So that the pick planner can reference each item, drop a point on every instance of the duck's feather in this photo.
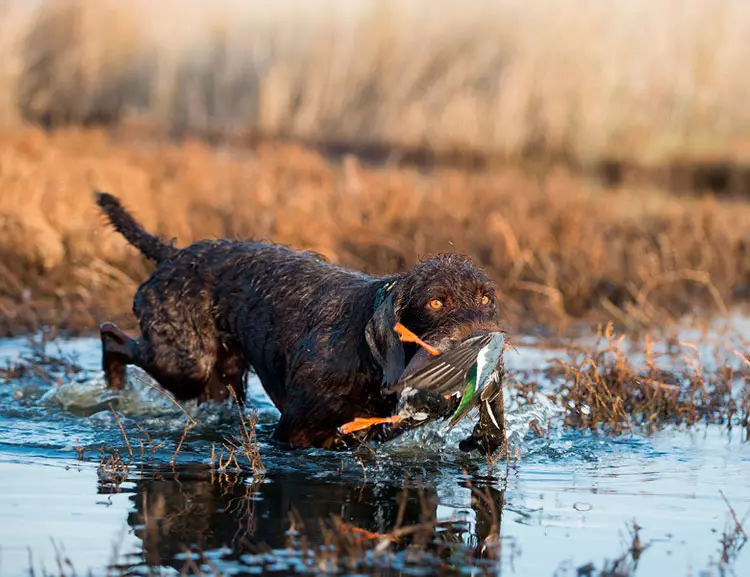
(445, 374)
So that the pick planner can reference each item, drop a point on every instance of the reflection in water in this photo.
(194, 509)
(568, 501)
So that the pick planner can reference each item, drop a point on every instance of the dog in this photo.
(318, 336)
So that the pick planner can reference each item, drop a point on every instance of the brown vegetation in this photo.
(483, 80)
(634, 80)
(601, 388)
(559, 249)
(39, 364)
(427, 543)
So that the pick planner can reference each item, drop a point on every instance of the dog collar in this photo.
(383, 293)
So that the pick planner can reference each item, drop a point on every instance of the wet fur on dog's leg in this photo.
(217, 388)
(117, 352)
(120, 350)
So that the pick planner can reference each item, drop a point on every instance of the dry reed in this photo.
(630, 79)
(247, 441)
(112, 471)
(601, 388)
(122, 430)
(733, 539)
(41, 364)
(559, 249)
(342, 548)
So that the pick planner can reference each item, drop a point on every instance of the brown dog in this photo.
(319, 337)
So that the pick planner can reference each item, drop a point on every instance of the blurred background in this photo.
(593, 156)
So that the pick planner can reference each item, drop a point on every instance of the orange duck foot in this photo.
(407, 336)
(366, 422)
(364, 534)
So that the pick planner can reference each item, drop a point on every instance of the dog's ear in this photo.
(384, 343)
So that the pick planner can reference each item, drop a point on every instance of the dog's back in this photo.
(268, 302)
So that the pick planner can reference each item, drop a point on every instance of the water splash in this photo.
(519, 420)
(81, 398)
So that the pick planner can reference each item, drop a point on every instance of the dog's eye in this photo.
(436, 304)
(485, 300)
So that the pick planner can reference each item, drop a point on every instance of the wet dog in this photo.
(319, 336)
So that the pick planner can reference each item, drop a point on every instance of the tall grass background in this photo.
(582, 80)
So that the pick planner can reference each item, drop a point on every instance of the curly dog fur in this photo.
(318, 336)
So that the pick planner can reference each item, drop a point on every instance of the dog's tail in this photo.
(124, 223)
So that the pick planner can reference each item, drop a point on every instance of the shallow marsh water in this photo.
(569, 500)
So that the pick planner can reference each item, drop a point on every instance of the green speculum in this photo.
(471, 385)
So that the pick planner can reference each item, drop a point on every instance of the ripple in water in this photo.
(569, 497)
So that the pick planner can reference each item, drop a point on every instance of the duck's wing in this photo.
(490, 362)
(484, 378)
(445, 374)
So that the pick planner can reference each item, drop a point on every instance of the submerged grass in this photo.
(560, 250)
(38, 364)
(733, 539)
(602, 388)
(429, 543)
(625, 565)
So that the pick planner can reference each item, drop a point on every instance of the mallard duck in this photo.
(439, 385)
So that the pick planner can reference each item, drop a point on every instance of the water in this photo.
(569, 500)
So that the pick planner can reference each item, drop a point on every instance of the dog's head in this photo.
(443, 300)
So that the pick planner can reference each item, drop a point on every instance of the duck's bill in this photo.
(406, 336)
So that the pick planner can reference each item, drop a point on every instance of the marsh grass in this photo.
(431, 542)
(604, 373)
(733, 539)
(345, 546)
(47, 363)
(246, 443)
(625, 565)
(601, 388)
(576, 80)
(112, 471)
(559, 249)
(604, 386)
(39, 364)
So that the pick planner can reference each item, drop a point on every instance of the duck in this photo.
(443, 385)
